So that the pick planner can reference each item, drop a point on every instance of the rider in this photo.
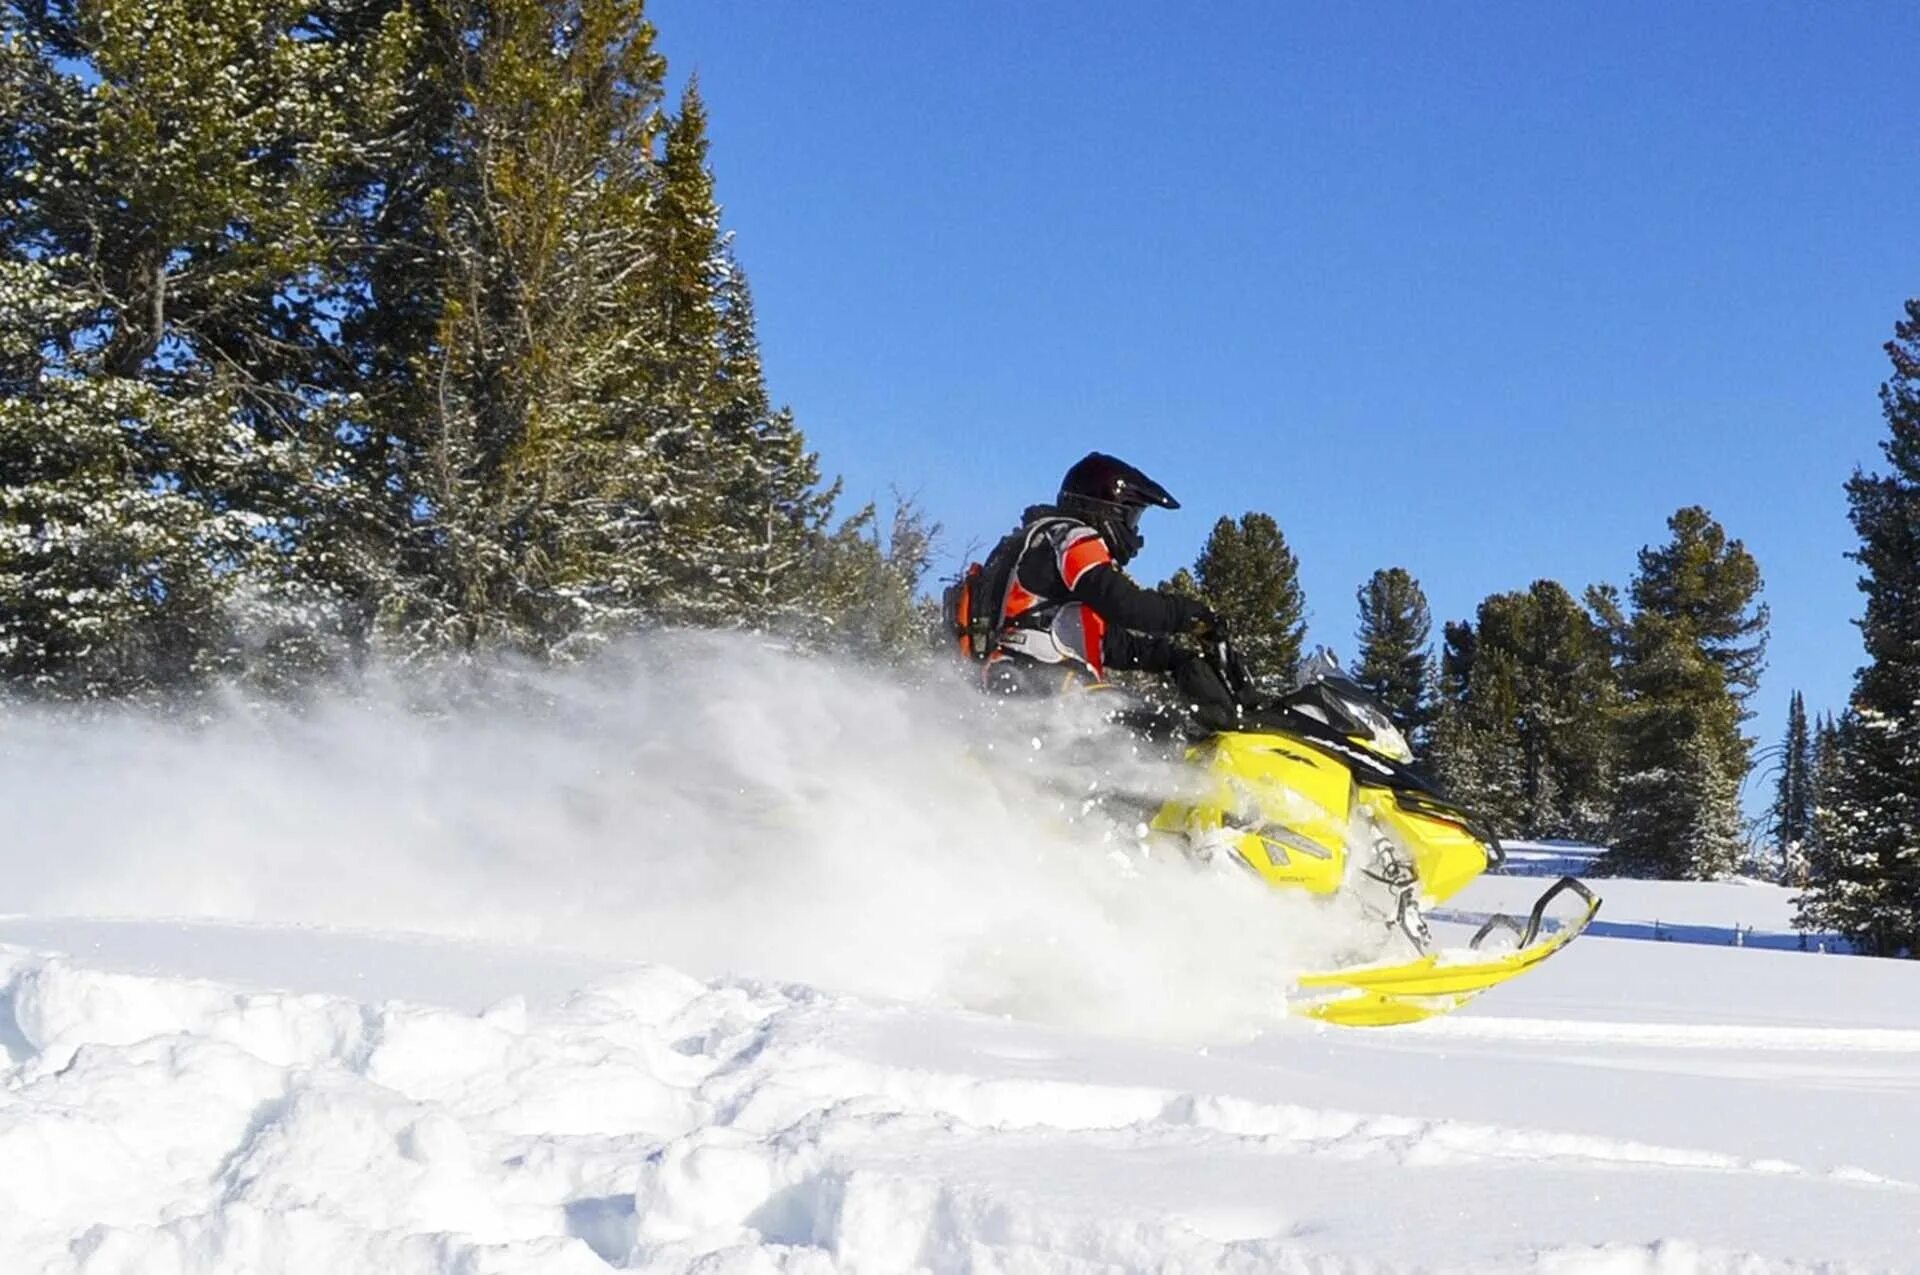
(1068, 607)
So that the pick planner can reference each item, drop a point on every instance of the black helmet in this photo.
(1109, 494)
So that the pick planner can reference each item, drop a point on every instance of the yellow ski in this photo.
(1407, 992)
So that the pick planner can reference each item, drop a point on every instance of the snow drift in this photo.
(652, 1121)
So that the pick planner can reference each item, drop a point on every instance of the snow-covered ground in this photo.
(348, 992)
(1741, 911)
(1633, 1107)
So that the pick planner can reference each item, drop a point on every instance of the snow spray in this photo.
(710, 801)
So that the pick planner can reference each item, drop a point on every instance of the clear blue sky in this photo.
(1485, 291)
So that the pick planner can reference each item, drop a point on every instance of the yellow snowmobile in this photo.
(1315, 791)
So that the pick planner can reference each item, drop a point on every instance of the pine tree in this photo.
(1676, 801)
(551, 452)
(1578, 690)
(1680, 819)
(121, 567)
(772, 504)
(333, 322)
(1690, 657)
(1182, 583)
(1458, 645)
(170, 204)
(865, 587)
(1247, 573)
(181, 161)
(1472, 754)
(1395, 661)
(689, 396)
(1710, 584)
(1792, 824)
(1446, 757)
(1527, 694)
(1824, 868)
(588, 430)
(1868, 883)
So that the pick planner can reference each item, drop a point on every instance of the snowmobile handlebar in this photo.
(1224, 659)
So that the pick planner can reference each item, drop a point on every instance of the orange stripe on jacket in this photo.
(1082, 554)
(1095, 628)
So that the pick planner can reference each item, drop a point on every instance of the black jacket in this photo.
(1068, 562)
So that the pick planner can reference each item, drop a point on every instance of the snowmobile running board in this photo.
(1434, 984)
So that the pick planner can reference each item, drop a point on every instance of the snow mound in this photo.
(653, 1121)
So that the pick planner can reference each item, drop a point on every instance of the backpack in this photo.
(971, 604)
(967, 614)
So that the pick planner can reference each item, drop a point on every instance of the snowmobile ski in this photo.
(1386, 995)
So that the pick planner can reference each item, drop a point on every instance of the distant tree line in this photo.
(335, 327)
(1617, 719)
(1550, 716)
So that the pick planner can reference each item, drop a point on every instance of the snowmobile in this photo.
(1315, 790)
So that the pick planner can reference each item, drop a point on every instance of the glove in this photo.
(1208, 625)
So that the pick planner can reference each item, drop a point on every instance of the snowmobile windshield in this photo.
(1381, 735)
(1343, 705)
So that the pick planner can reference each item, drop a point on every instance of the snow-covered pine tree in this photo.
(1527, 695)
(864, 586)
(1568, 695)
(704, 559)
(1711, 585)
(1473, 756)
(1395, 659)
(1792, 815)
(1690, 658)
(170, 196)
(577, 424)
(1866, 882)
(1675, 808)
(1584, 735)
(1826, 763)
(120, 561)
(1823, 868)
(773, 507)
(1681, 818)
(481, 342)
(1447, 757)
(1247, 573)
(529, 427)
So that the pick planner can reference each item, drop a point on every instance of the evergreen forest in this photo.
(410, 328)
